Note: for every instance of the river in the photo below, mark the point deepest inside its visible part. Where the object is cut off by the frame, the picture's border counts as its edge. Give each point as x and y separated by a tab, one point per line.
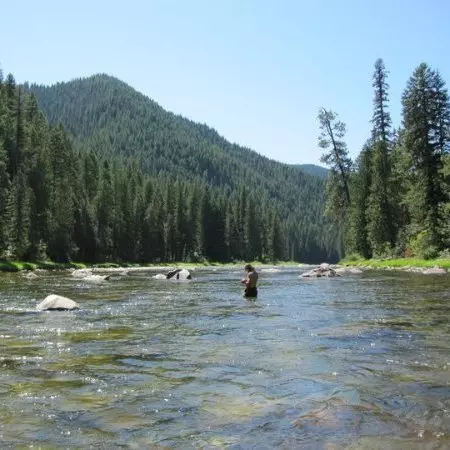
361	361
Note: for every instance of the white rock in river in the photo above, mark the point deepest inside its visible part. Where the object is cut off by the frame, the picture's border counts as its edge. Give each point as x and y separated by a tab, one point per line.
81	273
55	302
160	276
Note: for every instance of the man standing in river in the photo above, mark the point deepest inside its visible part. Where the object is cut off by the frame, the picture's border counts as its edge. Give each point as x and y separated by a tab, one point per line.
250	282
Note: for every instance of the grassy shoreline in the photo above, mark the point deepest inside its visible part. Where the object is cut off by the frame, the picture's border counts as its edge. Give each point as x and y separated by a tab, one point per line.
400	263
17	266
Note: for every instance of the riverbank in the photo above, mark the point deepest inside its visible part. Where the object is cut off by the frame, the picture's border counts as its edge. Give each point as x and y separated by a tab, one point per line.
17	266
407	264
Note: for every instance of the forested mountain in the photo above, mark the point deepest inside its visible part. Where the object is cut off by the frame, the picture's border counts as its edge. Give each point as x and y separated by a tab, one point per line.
313	169
244	205
394	200
132	182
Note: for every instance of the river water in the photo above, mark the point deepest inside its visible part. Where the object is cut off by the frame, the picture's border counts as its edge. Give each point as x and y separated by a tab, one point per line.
361	361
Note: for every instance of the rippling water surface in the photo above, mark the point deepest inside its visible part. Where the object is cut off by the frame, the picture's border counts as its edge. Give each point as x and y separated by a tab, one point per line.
361	361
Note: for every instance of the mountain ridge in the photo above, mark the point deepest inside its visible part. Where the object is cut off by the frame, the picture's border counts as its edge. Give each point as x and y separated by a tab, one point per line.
111	118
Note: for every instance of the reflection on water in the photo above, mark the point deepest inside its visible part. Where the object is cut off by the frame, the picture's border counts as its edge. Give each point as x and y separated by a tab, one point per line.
357	362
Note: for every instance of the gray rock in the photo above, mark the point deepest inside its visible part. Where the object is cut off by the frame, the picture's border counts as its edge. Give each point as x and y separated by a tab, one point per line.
55	302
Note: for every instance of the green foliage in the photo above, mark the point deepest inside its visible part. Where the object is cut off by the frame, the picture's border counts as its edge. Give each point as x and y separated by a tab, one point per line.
422	246
400	186
426	113
335	155
358	238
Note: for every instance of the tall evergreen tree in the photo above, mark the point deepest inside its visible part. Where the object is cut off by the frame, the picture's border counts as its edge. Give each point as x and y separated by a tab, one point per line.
61	198
380	223
18	214
4	192
362	181
105	210
426	117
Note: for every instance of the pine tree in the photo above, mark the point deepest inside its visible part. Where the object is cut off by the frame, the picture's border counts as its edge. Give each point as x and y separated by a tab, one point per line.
362	181
194	223
426	116
61	198
105	210
18	214
336	157
4	193
380	223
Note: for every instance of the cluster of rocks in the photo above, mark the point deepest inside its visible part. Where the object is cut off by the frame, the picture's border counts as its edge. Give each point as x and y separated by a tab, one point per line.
327	271
324	270
55	302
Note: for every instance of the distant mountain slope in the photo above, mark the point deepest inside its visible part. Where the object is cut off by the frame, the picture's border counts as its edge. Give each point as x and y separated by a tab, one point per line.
108	116
313	169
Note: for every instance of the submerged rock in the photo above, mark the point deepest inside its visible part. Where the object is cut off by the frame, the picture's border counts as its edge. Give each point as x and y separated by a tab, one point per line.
87	275
55	302
324	270
30	276
96	278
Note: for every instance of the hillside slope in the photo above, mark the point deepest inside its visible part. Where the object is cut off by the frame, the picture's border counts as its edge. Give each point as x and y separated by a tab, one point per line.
106	115
313	169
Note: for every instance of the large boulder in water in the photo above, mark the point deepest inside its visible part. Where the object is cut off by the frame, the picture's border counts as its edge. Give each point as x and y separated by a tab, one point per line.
55	302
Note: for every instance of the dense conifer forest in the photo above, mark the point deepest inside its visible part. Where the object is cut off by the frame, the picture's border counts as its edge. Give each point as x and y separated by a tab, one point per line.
394	200
91	170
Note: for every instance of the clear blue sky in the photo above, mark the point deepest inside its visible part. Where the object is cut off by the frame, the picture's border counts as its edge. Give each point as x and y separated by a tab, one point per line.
256	70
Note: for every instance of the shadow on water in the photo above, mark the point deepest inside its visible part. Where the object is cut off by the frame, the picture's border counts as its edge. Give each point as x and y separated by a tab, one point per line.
356	362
